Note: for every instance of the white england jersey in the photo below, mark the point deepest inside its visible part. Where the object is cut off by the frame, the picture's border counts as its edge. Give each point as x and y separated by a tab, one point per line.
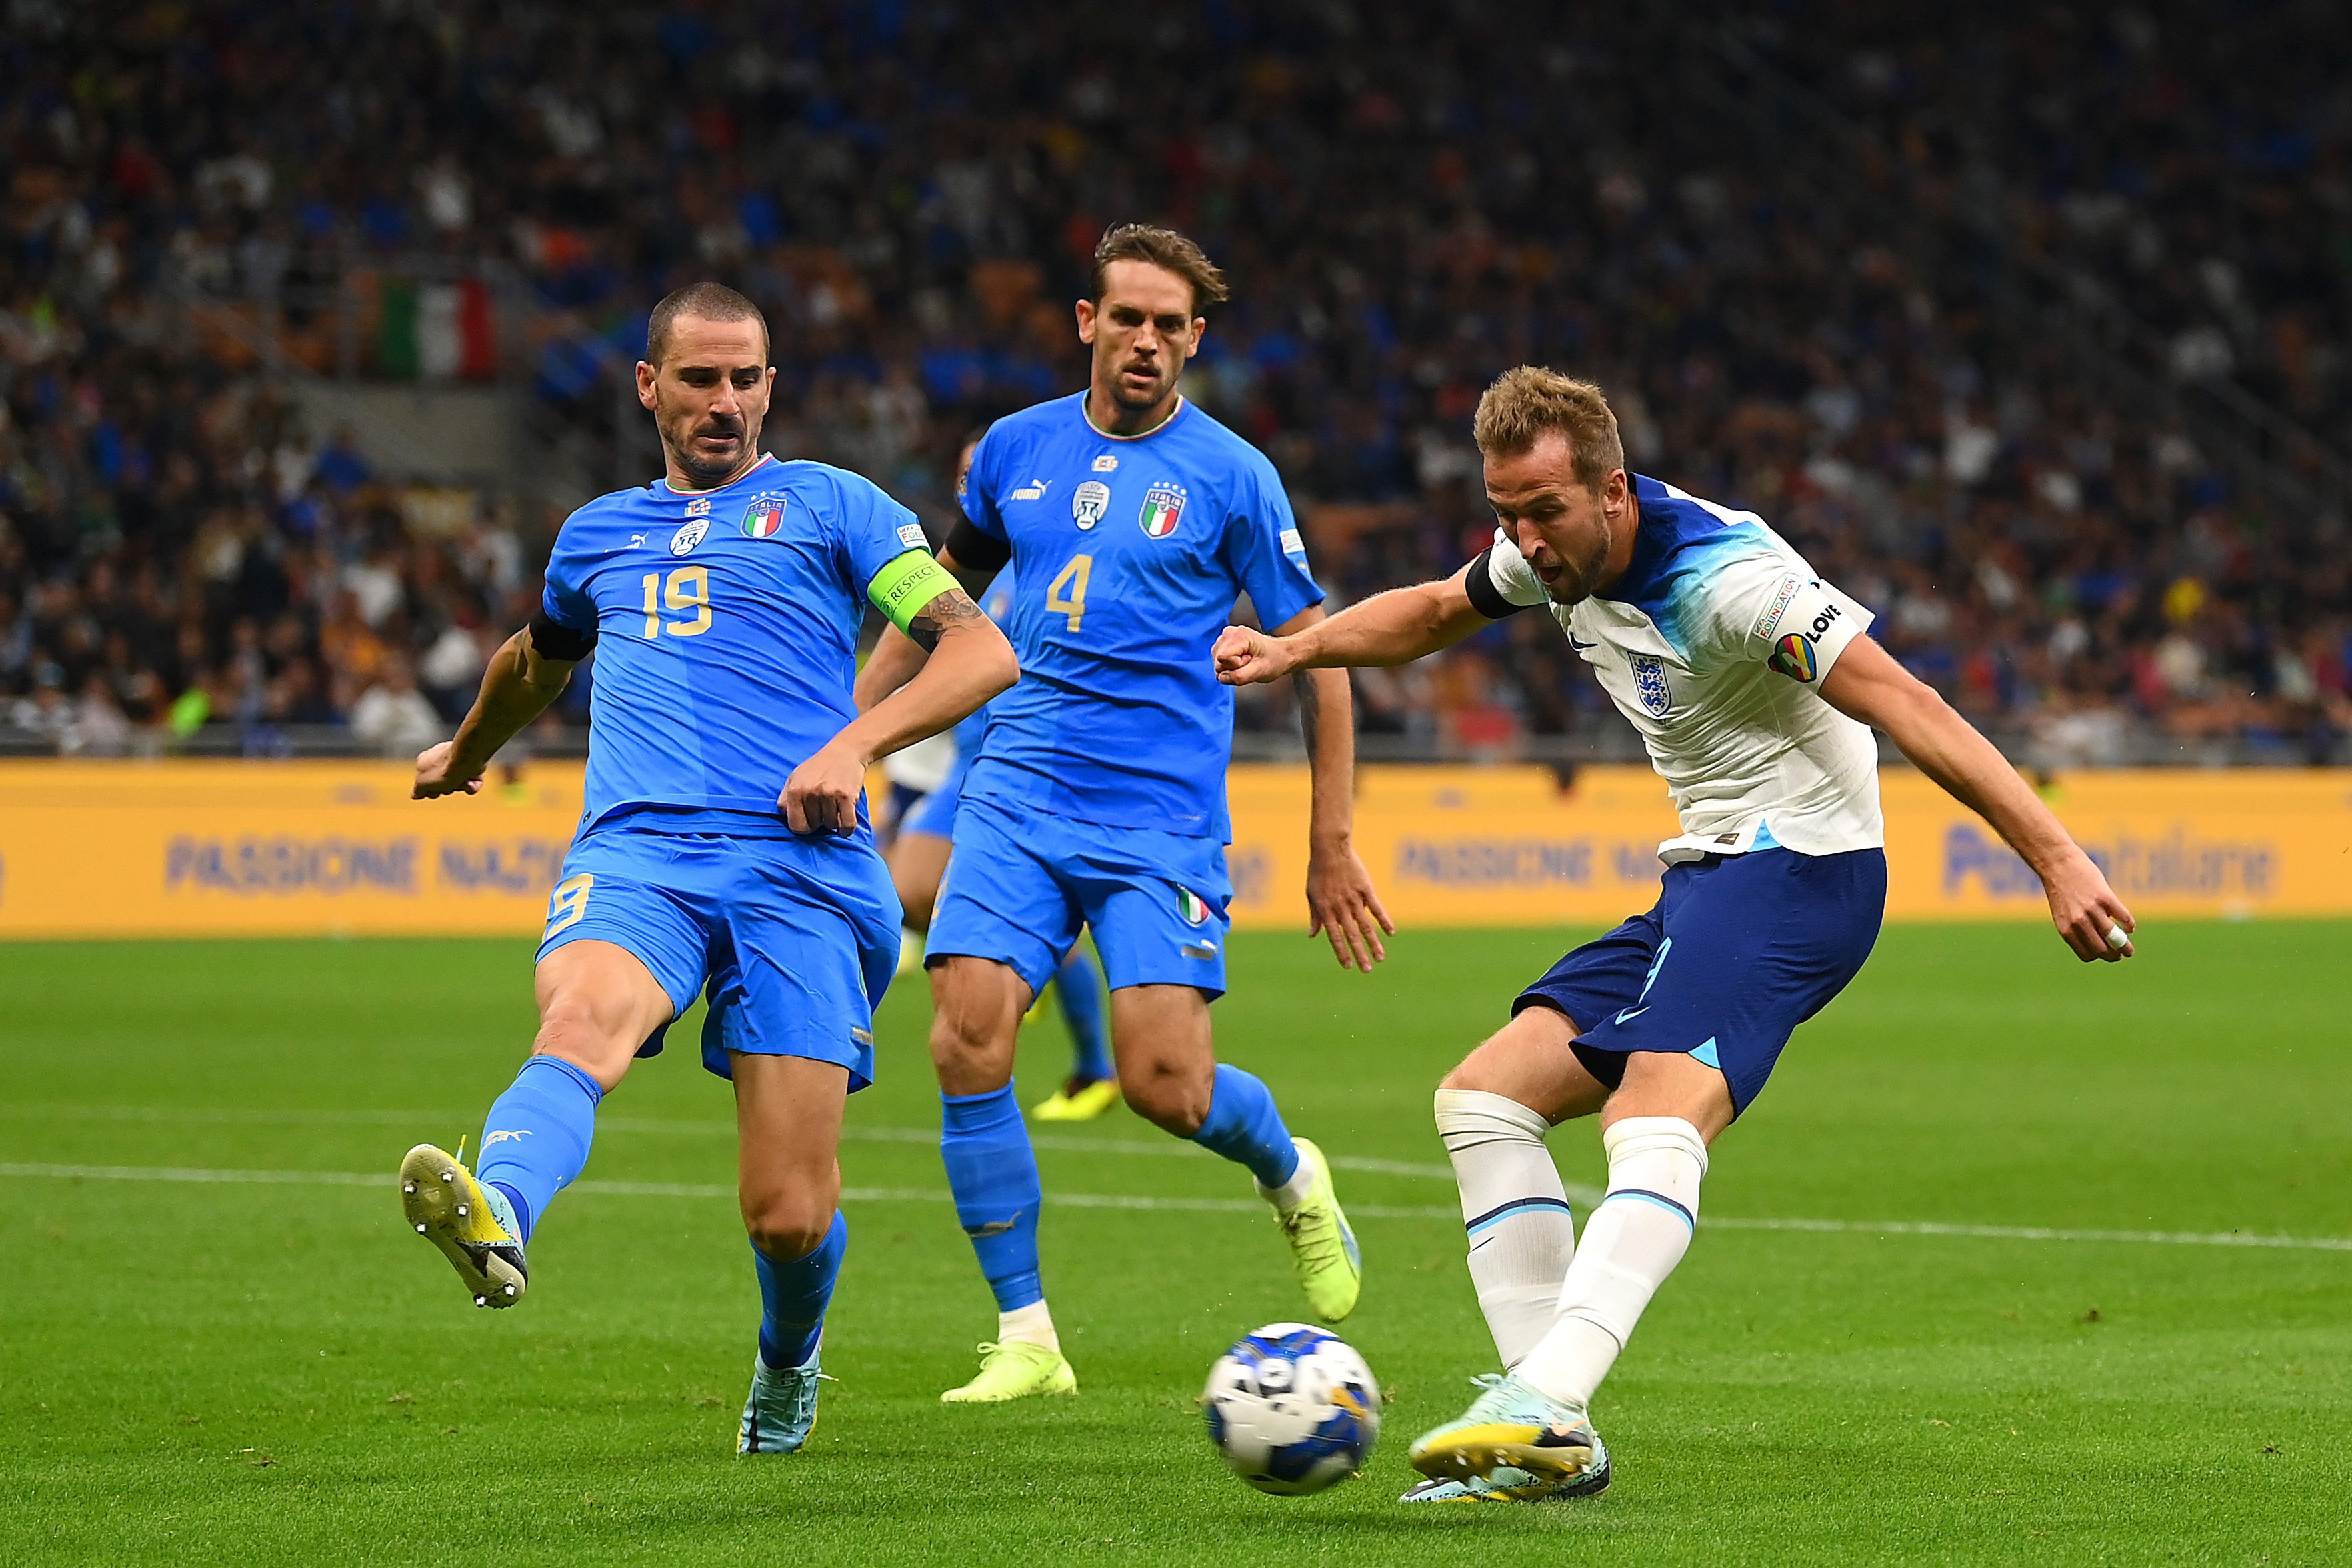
1714	644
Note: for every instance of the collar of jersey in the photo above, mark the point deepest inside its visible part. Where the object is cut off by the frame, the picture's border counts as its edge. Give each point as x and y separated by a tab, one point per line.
766	459
1183	403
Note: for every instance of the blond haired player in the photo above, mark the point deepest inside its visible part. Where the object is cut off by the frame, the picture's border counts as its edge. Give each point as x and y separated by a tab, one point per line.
1755	686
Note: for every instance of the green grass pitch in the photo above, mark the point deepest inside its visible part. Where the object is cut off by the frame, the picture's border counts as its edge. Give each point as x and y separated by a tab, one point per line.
200	1372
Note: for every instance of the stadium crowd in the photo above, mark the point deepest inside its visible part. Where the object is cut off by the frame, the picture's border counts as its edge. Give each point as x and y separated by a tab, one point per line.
1406	199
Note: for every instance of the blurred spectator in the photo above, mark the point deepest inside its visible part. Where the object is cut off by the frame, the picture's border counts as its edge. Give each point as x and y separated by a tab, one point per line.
1409	198
392	716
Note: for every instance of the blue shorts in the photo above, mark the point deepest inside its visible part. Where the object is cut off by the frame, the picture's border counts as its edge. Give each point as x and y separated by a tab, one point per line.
935	814
1738	951
795	939
1022	882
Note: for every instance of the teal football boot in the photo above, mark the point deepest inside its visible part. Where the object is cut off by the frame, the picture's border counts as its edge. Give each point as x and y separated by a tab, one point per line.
1513	1426
782	1410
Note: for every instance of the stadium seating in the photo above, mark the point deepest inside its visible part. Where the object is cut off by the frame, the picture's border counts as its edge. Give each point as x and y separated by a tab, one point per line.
1406	201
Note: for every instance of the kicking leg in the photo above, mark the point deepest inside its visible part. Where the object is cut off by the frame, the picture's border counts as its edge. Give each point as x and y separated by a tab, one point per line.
1169	1072
1493	1111
788	1113
977	1005
597	1003
1655	1127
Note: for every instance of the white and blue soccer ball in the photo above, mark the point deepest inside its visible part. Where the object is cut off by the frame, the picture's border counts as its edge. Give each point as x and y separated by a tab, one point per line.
1293	1409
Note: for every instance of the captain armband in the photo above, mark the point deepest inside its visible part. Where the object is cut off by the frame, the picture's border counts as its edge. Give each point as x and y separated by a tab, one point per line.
552	639
902	588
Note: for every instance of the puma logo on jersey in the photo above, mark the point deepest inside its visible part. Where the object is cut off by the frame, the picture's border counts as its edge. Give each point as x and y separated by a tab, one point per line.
503	1136
1033	491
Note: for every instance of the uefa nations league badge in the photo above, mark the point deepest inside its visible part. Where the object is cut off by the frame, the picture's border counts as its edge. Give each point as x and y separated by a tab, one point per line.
1088	503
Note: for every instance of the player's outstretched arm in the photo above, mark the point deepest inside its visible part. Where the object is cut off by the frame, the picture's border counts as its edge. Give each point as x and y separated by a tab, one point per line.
1395	628
516	689
973	664
1866	683
1341	902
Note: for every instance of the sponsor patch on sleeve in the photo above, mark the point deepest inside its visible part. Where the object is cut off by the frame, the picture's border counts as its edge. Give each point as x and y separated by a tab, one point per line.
1769	620
1292	545
911	534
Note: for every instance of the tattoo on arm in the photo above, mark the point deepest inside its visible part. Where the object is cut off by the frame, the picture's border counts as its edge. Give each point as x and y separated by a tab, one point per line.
1310	705
934	619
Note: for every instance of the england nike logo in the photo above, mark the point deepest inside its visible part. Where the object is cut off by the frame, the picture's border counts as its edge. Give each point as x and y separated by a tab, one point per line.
1631	1013
1581	646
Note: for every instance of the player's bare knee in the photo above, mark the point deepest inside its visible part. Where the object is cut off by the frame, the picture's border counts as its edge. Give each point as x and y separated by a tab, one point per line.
915	901
1166	1094
791	1226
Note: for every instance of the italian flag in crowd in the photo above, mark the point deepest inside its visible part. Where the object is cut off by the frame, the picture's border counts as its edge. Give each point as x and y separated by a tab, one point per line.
437	331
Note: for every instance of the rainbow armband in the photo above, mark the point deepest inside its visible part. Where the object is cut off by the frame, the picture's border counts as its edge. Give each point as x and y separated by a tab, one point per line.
906	586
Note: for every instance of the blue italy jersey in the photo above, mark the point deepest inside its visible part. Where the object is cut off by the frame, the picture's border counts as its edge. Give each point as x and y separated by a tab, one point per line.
727	624
1127	555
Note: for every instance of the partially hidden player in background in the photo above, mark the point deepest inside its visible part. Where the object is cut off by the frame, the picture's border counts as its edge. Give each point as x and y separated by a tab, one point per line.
1131	522
1755	688
919	861
724	847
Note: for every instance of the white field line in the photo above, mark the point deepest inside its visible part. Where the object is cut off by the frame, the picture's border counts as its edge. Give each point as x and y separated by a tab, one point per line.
1214	1205
1174	1148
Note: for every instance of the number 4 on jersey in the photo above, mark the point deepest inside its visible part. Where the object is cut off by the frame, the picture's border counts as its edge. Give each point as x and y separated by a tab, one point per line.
1073	577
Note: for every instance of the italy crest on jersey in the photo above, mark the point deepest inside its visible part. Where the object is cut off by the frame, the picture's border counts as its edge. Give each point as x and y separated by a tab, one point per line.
764	517
1164	507
1650	685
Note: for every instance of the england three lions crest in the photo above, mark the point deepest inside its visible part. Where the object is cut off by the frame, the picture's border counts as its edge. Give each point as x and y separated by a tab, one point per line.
1650	685
1163	508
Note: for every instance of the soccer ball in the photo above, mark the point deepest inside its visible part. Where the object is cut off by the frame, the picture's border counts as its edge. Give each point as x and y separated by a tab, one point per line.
1292	1409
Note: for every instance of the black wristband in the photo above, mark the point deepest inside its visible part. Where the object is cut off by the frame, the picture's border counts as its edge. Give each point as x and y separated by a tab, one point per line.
974	551
1478	580
553	639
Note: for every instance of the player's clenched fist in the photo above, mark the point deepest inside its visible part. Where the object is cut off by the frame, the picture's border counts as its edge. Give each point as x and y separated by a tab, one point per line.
1246	658
435	776
822	794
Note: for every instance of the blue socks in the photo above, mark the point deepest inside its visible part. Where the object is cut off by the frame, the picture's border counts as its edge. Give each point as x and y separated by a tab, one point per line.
793	1298
535	1140
1079	985
993	1173
1243	1126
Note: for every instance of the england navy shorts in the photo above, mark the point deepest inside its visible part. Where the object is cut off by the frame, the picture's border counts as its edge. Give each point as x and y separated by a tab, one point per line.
1738	952
1022	882
793	939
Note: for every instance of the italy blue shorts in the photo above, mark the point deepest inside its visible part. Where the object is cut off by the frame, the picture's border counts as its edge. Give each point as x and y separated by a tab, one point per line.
935	814
793	939
1022	882
1738	951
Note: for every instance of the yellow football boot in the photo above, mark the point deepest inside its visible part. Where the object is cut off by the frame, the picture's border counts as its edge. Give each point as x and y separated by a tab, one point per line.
472	1226
1014	1371
1080	1100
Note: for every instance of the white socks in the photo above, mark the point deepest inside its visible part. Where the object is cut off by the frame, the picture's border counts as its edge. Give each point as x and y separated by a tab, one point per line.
1632	1242
1029	1325
1521	1233
1292	1193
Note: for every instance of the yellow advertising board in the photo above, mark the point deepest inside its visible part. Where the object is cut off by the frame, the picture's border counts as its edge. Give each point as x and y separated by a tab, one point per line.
202	848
